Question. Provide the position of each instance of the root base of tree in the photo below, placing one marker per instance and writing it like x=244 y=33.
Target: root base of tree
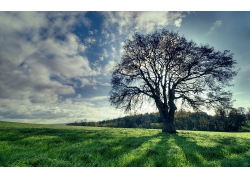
x=169 y=128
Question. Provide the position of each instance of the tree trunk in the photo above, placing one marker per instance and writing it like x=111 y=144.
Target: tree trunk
x=167 y=115
x=168 y=127
x=168 y=121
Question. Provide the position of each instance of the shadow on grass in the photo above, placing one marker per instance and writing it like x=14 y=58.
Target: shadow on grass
x=119 y=147
x=65 y=147
x=179 y=150
x=2 y=162
x=217 y=151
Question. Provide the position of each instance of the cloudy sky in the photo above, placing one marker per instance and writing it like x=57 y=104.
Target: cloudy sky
x=55 y=66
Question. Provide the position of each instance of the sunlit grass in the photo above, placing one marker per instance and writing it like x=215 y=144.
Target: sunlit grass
x=32 y=145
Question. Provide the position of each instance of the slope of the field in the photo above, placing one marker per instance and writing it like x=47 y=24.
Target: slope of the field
x=26 y=145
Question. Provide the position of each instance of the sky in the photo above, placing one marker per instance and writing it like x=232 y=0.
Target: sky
x=55 y=66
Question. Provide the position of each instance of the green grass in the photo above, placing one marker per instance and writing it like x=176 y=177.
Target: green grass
x=29 y=145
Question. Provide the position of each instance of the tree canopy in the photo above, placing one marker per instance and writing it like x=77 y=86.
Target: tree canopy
x=165 y=67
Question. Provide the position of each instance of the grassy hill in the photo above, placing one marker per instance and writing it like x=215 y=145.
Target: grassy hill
x=28 y=145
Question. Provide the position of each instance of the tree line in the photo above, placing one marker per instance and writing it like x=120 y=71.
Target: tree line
x=230 y=120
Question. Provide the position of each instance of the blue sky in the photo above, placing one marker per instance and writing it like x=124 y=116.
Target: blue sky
x=55 y=66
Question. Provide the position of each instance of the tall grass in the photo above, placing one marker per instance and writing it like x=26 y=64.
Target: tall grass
x=29 y=145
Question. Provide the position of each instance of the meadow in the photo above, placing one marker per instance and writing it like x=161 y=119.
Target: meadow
x=34 y=145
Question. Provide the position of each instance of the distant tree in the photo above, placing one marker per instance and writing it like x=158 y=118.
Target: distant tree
x=242 y=110
x=229 y=119
x=235 y=120
x=221 y=115
x=248 y=115
x=146 y=121
x=165 y=67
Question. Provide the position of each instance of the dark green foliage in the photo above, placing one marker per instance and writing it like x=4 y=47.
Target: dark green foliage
x=134 y=121
x=232 y=119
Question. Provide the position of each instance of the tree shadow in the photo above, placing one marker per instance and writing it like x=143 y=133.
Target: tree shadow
x=178 y=150
x=218 y=151
x=73 y=147
x=2 y=162
x=120 y=148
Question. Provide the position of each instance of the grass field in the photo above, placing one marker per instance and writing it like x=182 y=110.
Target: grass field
x=30 y=145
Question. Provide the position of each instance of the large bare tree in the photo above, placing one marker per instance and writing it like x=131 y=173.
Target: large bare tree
x=165 y=67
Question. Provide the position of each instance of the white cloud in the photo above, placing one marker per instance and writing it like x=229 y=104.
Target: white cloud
x=93 y=32
x=90 y=40
x=86 y=22
x=61 y=23
x=177 y=22
x=105 y=53
x=113 y=52
x=43 y=98
x=105 y=84
x=79 y=96
x=113 y=48
x=146 y=21
x=124 y=20
x=112 y=37
x=119 y=26
x=37 y=68
x=121 y=47
x=97 y=98
x=87 y=81
x=216 y=25
x=238 y=93
x=109 y=67
x=126 y=23
x=23 y=22
x=66 y=111
x=82 y=48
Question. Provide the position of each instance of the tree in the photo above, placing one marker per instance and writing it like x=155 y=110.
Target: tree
x=231 y=119
x=220 y=119
x=248 y=115
x=164 y=67
x=237 y=119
